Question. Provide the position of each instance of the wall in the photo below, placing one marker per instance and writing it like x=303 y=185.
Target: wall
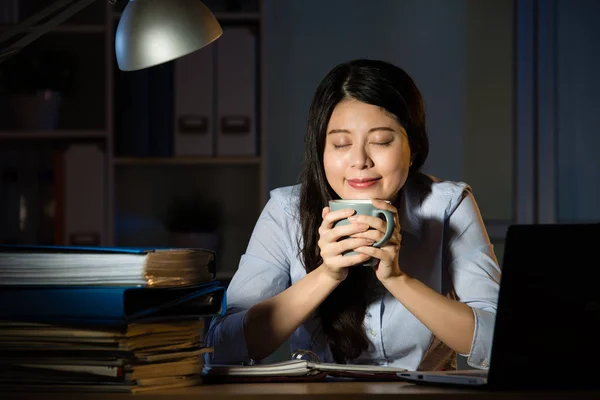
x=489 y=117
x=459 y=53
x=304 y=40
x=577 y=116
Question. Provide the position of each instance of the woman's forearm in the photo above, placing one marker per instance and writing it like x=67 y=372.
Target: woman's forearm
x=449 y=320
x=270 y=322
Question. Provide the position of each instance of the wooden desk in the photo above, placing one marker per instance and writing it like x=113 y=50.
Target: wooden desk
x=312 y=391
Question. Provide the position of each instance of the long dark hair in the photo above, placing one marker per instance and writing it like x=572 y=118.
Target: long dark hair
x=377 y=83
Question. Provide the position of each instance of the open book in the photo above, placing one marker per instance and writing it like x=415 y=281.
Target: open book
x=297 y=370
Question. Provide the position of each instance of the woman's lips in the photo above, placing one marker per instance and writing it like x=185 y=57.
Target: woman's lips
x=362 y=183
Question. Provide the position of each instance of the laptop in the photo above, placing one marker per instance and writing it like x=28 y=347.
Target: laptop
x=547 y=333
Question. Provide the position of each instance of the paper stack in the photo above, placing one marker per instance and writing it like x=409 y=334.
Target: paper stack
x=135 y=358
x=100 y=320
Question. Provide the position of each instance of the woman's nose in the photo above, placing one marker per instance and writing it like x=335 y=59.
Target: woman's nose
x=360 y=157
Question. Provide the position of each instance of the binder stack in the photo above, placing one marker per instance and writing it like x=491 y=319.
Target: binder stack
x=100 y=319
x=216 y=93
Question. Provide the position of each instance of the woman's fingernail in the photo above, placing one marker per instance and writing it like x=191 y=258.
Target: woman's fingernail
x=352 y=218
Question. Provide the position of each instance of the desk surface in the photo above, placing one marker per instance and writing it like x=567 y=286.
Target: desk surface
x=314 y=391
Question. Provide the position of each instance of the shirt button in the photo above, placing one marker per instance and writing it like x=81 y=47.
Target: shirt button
x=485 y=363
x=372 y=333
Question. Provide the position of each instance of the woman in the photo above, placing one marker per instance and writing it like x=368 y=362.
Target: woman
x=434 y=291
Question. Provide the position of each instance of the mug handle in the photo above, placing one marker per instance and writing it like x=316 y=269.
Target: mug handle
x=389 y=219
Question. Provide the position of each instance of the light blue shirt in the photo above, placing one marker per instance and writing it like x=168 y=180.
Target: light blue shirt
x=444 y=245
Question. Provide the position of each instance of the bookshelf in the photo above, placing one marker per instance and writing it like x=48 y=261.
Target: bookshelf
x=133 y=190
x=64 y=134
x=68 y=29
x=187 y=160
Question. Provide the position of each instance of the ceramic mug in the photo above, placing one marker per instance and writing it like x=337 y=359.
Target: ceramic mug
x=365 y=207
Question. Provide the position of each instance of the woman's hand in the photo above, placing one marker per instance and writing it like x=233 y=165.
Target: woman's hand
x=387 y=254
x=335 y=264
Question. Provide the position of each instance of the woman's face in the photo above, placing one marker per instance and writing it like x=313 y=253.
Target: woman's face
x=366 y=152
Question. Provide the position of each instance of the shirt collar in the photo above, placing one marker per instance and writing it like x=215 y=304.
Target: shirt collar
x=409 y=209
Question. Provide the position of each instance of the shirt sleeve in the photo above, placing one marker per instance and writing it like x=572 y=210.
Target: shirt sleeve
x=475 y=274
x=263 y=272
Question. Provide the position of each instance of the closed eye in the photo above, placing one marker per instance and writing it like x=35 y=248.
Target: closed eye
x=382 y=143
x=340 y=146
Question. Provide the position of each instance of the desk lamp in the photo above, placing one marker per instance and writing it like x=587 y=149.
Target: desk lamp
x=150 y=32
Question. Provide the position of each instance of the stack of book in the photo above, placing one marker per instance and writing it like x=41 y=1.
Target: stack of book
x=124 y=320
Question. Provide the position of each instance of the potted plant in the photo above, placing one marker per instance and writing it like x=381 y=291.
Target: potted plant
x=32 y=84
x=193 y=222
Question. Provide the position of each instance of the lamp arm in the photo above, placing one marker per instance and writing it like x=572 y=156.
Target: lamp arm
x=54 y=15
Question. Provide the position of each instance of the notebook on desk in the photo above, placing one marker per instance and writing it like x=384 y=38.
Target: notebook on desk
x=304 y=365
x=546 y=333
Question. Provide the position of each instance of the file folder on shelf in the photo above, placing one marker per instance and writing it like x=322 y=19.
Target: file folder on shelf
x=236 y=92
x=194 y=108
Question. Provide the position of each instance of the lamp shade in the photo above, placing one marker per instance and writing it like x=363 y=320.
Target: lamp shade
x=151 y=32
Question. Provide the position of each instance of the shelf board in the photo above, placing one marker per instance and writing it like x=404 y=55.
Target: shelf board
x=66 y=29
x=223 y=16
x=52 y=135
x=188 y=160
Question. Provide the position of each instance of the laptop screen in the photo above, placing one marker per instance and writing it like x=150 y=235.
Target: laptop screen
x=548 y=306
